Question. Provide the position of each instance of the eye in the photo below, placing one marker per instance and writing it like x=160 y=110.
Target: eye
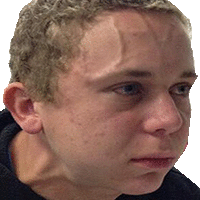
x=129 y=89
x=181 y=89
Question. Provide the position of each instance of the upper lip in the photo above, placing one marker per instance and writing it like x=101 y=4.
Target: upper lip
x=156 y=156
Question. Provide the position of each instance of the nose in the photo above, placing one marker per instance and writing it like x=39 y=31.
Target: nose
x=162 y=115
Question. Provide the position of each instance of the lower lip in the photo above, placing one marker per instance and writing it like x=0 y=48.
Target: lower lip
x=156 y=163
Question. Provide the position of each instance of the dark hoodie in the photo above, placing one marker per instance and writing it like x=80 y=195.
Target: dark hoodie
x=175 y=186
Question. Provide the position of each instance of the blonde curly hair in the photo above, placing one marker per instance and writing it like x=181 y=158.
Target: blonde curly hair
x=48 y=33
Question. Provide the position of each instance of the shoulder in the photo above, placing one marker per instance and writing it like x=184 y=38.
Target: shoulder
x=177 y=186
x=5 y=118
x=8 y=124
x=12 y=188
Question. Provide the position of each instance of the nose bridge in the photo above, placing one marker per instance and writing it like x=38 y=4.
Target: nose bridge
x=163 y=114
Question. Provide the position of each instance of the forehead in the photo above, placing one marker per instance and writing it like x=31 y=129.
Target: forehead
x=132 y=35
x=134 y=21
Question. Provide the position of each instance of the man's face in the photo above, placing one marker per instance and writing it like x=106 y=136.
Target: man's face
x=123 y=115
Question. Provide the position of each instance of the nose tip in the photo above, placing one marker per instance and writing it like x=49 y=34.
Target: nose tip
x=167 y=124
x=163 y=116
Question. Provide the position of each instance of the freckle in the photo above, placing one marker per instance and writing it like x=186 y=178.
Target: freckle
x=100 y=134
x=71 y=139
x=86 y=142
x=71 y=120
x=79 y=124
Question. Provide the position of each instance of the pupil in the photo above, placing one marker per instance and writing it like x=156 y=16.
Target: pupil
x=129 y=88
x=182 y=89
x=133 y=89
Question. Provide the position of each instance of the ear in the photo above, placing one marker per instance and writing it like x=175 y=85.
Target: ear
x=21 y=107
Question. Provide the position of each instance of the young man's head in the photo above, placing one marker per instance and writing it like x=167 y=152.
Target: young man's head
x=48 y=34
x=107 y=84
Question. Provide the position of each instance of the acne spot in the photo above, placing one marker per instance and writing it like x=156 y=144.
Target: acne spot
x=86 y=142
x=100 y=134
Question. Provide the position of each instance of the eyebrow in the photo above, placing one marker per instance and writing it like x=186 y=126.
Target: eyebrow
x=189 y=74
x=128 y=72
x=137 y=73
x=148 y=74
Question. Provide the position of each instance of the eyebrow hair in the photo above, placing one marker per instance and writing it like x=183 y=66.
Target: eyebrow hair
x=142 y=74
x=129 y=72
x=189 y=74
x=137 y=73
x=146 y=74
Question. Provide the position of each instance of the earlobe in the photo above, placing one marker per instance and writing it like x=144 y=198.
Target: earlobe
x=21 y=107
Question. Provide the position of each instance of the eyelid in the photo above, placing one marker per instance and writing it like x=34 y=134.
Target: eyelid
x=126 y=83
x=182 y=84
x=120 y=86
x=186 y=84
x=144 y=89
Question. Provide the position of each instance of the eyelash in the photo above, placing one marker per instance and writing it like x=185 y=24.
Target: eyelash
x=134 y=89
x=184 y=89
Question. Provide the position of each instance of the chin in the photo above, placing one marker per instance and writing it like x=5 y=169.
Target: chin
x=143 y=185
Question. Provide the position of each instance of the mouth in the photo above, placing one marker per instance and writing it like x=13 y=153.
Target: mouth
x=154 y=161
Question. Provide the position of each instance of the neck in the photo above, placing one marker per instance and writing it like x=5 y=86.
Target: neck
x=38 y=167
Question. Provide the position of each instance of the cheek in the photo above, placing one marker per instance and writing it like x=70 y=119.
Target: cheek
x=184 y=107
x=96 y=137
x=182 y=135
x=180 y=139
x=107 y=135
